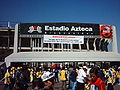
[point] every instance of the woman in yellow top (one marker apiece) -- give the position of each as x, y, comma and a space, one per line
110, 79
7, 81
118, 76
63, 78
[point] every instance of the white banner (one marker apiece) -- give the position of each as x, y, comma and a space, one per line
67, 39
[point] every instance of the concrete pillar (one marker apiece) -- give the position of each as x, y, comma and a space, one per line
16, 39
114, 44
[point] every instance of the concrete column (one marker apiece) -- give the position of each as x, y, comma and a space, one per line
16, 39
114, 44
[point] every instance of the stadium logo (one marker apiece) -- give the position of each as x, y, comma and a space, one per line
34, 29
106, 31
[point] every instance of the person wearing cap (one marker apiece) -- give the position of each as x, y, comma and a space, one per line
81, 78
48, 80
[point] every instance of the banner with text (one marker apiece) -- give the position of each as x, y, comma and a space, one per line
66, 39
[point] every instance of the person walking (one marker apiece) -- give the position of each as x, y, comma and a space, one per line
21, 79
63, 78
96, 83
7, 82
56, 75
73, 76
118, 76
110, 80
81, 78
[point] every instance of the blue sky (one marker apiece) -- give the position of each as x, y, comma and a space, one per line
81, 11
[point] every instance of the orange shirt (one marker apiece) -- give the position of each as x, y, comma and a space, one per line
98, 84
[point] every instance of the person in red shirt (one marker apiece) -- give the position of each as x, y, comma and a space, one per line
96, 83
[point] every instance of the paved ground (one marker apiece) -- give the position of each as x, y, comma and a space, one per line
57, 86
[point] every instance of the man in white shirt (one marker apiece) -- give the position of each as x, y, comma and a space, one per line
81, 78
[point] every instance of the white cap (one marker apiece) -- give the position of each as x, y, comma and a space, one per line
47, 76
85, 67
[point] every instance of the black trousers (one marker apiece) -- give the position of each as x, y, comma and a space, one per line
80, 86
110, 87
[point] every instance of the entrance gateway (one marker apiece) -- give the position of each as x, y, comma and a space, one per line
64, 42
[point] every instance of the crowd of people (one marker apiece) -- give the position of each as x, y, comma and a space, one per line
82, 77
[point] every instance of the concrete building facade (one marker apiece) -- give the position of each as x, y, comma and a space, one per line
64, 42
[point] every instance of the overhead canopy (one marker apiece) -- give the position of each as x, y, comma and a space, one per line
61, 57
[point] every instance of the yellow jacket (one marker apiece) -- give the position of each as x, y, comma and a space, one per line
118, 74
63, 74
7, 78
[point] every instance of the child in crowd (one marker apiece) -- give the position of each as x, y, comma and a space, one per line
96, 83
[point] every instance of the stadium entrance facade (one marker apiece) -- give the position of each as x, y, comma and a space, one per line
64, 42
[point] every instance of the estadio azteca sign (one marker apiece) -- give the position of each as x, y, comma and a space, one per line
58, 29
54, 28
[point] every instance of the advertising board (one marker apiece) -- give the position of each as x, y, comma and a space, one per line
63, 39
